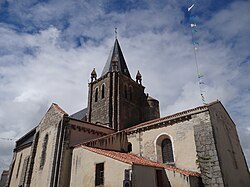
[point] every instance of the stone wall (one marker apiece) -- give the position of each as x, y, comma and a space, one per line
19, 167
230, 155
131, 108
41, 175
124, 103
99, 111
207, 157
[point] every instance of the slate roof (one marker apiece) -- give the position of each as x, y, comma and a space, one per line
134, 159
122, 66
80, 114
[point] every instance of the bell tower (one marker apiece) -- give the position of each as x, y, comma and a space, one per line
115, 99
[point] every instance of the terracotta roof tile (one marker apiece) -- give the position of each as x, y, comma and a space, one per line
5, 172
59, 108
134, 159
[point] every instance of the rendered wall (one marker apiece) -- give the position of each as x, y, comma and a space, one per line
83, 169
179, 180
41, 176
231, 158
181, 134
84, 131
115, 142
146, 176
15, 178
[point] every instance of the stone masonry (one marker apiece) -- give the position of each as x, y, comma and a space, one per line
207, 158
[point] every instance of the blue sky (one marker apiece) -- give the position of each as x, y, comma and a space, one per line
48, 49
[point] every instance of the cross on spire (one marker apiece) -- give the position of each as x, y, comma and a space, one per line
115, 33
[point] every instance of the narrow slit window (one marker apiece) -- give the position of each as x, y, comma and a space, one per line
130, 93
96, 94
99, 174
19, 164
44, 149
103, 91
125, 92
129, 147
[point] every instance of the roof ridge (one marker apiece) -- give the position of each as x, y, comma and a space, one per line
59, 108
178, 114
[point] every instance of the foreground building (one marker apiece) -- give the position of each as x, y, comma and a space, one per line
120, 140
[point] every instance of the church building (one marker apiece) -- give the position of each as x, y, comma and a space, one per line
119, 139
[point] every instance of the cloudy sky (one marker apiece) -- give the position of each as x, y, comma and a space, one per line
49, 47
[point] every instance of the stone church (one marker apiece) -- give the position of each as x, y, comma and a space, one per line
119, 139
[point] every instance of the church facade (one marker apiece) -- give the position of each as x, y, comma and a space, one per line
119, 139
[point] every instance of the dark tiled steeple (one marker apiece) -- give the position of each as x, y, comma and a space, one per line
116, 53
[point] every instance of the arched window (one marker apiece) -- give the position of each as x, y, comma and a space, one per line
130, 93
129, 147
96, 94
125, 91
164, 149
103, 91
44, 149
167, 151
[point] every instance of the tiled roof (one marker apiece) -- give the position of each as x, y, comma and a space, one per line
5, 172
59, 108
134, 159
176, 115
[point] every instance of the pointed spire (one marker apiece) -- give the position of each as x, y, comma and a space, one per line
115, 63
93, 75
138, 77
116, 52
